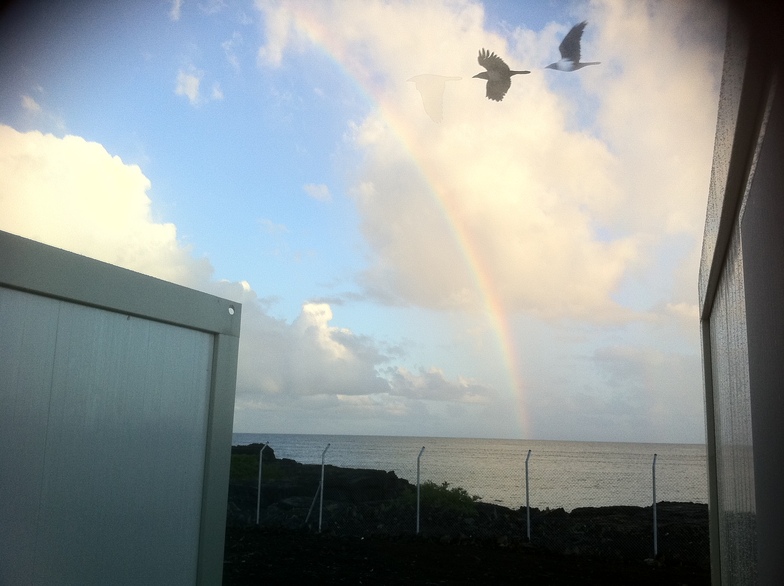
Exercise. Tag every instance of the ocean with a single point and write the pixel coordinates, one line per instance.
(560, 474)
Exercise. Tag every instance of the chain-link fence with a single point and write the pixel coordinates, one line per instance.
(573, 504)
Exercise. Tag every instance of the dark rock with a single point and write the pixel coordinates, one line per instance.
(268, 455)
(362, 503)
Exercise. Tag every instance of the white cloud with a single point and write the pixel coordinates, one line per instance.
(660, 119)
(30, 104)
(230, 47)
(687, 311)
(176, 10)
(212, 6)
(539, 202)
(72, 194)
(318, 191)
(577, 200)
(279, 32)
(554, 203)
(270, 227)
(312, 377)
(619, 393)
(188, 85)
(432, 385)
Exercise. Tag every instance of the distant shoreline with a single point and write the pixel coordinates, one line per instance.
(562, 474)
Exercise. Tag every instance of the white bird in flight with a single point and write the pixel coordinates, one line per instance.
(498, 75)
(431, 88)
(570, 51)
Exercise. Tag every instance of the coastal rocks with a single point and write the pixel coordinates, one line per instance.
(362, 503)
(268, 455)
(290, 489)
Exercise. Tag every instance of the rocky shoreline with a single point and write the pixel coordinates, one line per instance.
(361, 503)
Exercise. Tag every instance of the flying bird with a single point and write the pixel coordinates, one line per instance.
(570, 50)
(498, 75)
(431, 88)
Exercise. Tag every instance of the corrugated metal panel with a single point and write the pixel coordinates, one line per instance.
(109, 416)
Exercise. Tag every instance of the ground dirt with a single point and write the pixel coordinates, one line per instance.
(278, 556)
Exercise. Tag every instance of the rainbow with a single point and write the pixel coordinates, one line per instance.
(491, 297)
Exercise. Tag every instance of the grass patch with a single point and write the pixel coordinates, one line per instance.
(444, 497)
(246, 467)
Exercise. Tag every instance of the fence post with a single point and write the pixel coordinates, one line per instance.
(527, 504)
(321, 501)
(655, 524)
(417, 515)
(258, 490)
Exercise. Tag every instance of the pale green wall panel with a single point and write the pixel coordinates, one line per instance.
(115, 426)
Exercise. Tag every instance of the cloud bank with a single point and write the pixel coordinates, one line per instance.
(567, 206)
(558, 195)
(73, 194)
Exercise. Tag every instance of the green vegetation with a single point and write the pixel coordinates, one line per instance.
(441, 496)
(246, 467)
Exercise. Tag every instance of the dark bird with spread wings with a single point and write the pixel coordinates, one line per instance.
(570, 50)
(498, 75)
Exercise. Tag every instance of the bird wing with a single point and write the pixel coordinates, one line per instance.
(496, 90)
(492, 62)
(570, 46)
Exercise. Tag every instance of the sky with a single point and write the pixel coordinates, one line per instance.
(517, 269)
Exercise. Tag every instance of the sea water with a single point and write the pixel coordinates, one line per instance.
(560, 474)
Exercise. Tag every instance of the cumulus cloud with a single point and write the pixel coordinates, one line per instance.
(629, 392)
(554, 203)
(538, 203)
(570, 202)
(278, 26)
(311, 376)
(327, 360)
(73, 194)
(432, 385)
(661, 124)
(318, 191)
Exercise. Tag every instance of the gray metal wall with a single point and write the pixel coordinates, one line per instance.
(742, 306)
(762, 230)
(113, 427)
(733, 451)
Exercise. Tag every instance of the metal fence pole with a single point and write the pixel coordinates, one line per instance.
(258, 490)
(417, 515)
(321, 501)
(527, 504)
(313, 502)
(655, 524)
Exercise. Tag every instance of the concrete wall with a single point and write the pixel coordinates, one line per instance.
(117, 393)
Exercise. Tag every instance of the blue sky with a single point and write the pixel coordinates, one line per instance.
(524, 268)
